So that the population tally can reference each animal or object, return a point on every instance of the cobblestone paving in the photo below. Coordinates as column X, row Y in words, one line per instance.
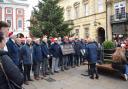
column 72, row 79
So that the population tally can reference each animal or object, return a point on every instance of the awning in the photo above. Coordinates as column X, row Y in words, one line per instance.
column 119, row 28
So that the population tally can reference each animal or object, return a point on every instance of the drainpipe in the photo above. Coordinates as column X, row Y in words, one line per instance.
column 106, row 21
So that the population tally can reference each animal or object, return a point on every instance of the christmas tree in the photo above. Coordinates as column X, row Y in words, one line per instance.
column 48, row 20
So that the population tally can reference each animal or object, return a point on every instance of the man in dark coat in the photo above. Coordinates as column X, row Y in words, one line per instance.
column 92, row 57
column 11, row 70
column 71, row 56
column 26, row 55
column 37, row 58
column 45, row 55
column 65, row 57
column 18, row 43
column 77, row 48
column 13, row 49
column 55, row 50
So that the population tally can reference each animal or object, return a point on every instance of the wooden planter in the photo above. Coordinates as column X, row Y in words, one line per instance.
column 108, row 53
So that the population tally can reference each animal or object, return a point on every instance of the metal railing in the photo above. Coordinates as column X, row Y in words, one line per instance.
column 119, row 18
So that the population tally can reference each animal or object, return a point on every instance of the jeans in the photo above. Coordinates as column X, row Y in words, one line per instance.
column 64, row 62
column 37, row 69
column 93, row 69
column 55, row 64
column 77, row 60
column 71, row 60
column 126, row 67
column 45, row 66
column 27, row 69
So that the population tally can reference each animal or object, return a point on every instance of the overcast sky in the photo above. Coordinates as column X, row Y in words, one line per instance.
column 32, row 3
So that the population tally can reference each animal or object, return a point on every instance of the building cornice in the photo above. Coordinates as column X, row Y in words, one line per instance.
column 21, row 4
column 89, row 16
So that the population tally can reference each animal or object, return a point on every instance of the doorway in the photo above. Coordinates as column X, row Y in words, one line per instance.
column 101, row 35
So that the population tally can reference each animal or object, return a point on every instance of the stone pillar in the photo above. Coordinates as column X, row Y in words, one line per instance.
column 109, row 13
column 14, row 19
column 3, row 13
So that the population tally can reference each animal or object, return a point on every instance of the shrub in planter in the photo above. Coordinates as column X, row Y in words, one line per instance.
column 108, row 45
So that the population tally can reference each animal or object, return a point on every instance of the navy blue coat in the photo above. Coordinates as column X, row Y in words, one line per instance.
column 26, row 54
column 83, row 45
column 55, row 50
column 37, row 54
column 13, row 51
column 77, row 47
column 45, row 50
column 92, row 54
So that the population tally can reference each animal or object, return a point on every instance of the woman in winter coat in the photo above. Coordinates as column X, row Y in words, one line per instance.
column 120, row 63
column 11, row 70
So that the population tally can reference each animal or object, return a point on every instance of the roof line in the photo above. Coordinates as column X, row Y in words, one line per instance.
column 16, row 4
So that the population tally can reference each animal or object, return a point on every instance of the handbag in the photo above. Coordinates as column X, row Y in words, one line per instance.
column 11, row 84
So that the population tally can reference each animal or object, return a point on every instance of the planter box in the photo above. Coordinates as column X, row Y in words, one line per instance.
column 108, row 53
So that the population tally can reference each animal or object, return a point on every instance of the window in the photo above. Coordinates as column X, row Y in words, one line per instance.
column 8, row 11
column 100, row 5
column 86, row 32
column 117, row 13
column 123, row 14
column 76, row 12
column 77, row 32
column 76, row 6
column 120, row 10
column 20, row 12
column 68, row 13
column 9, row 21
column 86, row 9
column 19, row 23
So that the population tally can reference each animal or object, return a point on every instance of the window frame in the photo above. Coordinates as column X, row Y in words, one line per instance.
column 86, row 9
column 100, row 6
column 11, row 10
column 68, row 10
column 87, row 32
column 19, row 26
column 119, row 6
column 77, row 9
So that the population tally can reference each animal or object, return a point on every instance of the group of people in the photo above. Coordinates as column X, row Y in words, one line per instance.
column 42, row 56
column 45, row 57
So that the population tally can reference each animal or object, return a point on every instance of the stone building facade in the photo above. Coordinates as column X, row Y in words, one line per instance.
column 88, row 16
column 15, row 13
column 98, row 19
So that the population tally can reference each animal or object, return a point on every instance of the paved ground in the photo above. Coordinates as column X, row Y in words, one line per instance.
column 72, row 79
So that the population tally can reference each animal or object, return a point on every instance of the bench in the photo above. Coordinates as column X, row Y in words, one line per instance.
column 107, row 69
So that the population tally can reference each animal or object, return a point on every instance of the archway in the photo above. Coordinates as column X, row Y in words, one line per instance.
column 101, row 35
